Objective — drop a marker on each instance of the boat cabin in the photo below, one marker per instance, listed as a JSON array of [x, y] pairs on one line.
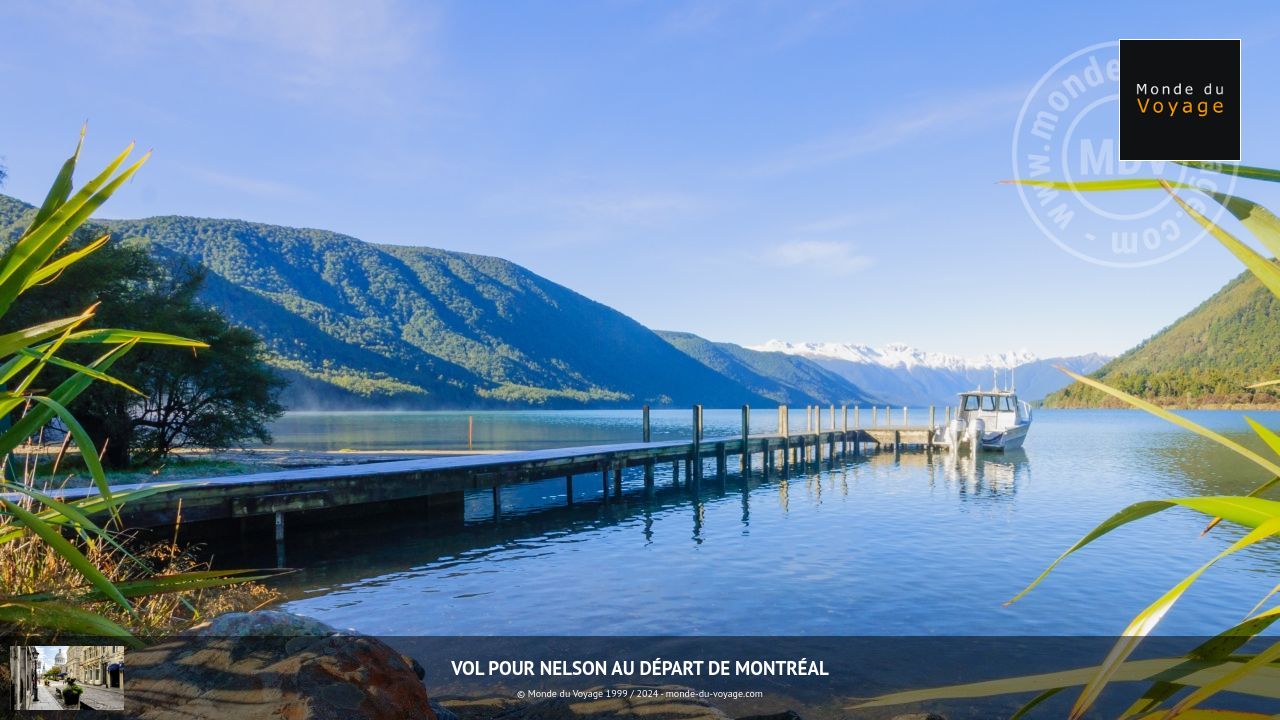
[[998, 409]]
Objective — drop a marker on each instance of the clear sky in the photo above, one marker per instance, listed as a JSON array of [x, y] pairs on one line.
[[49, 652], [819, 171]]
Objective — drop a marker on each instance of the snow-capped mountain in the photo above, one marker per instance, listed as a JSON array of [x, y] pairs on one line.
[[900, 374]]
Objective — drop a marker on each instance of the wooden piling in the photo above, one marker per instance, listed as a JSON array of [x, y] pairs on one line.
[[721, 461], [695, 457], [644, 424], [568, 488], [746, 438], [471, 427], [617, 479]]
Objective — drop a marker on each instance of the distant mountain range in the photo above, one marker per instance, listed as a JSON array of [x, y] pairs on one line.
[[781, 377], [904, 375], [1206, 358]]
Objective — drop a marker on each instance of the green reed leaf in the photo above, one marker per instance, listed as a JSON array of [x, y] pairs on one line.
[[1245, 171], [1144, 622], [69, 552]]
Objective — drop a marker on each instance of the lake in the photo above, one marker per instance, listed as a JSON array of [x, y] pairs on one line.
[[876, 545]]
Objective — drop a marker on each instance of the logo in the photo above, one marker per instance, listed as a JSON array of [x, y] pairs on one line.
[[1180, 100], [1068, 132]]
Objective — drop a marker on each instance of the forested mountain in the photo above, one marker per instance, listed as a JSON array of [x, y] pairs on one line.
[[783, 378], [1208, 357], [357, 324]]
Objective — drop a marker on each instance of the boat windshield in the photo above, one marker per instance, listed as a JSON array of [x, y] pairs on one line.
[[989, 403]]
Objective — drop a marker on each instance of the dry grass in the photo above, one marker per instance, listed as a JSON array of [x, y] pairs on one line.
[[29, 565]]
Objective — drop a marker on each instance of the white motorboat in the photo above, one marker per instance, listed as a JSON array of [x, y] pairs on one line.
[[988, 420]]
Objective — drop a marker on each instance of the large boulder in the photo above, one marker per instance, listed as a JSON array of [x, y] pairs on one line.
[[272, 665]]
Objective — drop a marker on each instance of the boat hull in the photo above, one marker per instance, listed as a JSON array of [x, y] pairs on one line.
[[1010, 439]]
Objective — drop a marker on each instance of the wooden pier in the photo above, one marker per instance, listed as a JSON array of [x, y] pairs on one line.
[[438, 484]]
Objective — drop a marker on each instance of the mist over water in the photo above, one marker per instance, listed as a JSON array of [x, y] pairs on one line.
[[875, 545]]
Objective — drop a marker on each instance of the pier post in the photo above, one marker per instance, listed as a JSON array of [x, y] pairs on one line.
[[746, 438], [874, 410], [833, 417], [648, 476], [497, 501], [568, 488], [888, 420], [721, 461], [604, 482], [617, 478], [933, 420], [279, 539], [844, 430], [644, 423], [696, 473], [471, 427], [675, 473], [904, 417]]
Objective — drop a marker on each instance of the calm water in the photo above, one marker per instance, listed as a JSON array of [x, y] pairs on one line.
[[875, 545]]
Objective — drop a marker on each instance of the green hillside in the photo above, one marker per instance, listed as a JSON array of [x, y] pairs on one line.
[[783, 378], [1208, 357], [357, 324]]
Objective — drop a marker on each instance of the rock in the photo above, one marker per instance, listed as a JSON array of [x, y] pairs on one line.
[[480, 708], [442, 712], [271, 665]]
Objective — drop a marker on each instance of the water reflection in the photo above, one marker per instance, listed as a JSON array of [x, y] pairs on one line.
[[540, 514]]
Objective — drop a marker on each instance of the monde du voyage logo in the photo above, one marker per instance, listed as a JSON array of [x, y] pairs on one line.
[[1125, 109], [1180, 100]]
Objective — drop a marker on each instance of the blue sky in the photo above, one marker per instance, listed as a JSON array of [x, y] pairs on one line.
[[743, 170]]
